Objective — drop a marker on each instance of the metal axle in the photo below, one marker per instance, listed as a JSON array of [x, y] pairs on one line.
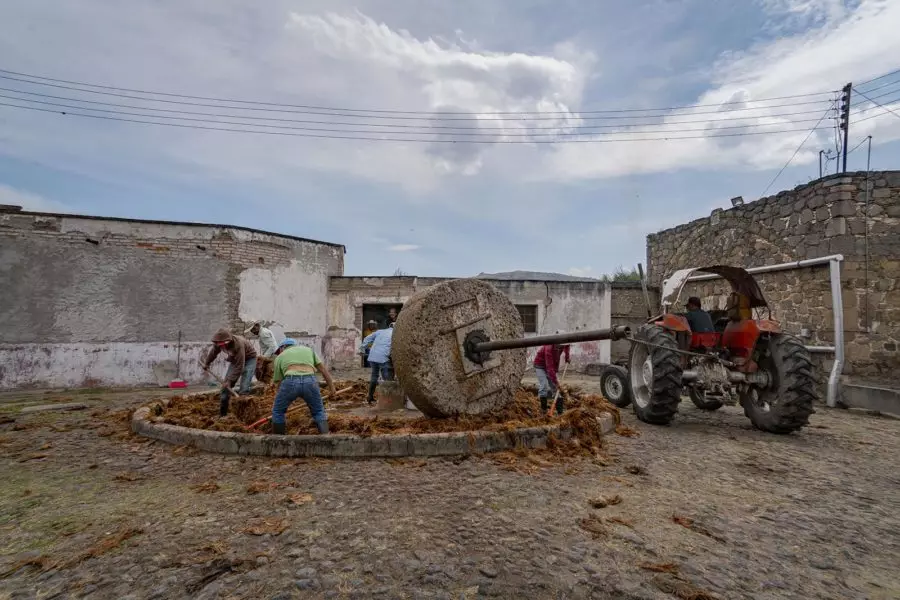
[[477, 349]]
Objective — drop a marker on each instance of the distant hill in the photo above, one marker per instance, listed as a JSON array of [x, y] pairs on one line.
[[534, 276]]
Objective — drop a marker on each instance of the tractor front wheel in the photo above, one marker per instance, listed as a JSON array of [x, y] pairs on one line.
[[654, 369], [614, 383], [787, 402]]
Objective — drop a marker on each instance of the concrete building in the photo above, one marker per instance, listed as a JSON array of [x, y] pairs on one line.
[[89, 301], [545, 307]]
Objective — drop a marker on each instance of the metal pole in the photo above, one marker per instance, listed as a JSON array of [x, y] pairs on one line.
[[866, 222], [644, 289], [821, 152], [613, 333], [845, 120], [837, 302]]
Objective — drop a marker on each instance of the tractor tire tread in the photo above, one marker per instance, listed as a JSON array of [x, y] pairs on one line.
[[666, 392], [793, 404]]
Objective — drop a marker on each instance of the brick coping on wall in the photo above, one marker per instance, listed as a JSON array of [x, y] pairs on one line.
[[143, 422]]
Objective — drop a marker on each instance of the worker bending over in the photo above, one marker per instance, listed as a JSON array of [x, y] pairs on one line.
[[546, 365], [241, 355], [295, 371], [267, 343], [379, 346]]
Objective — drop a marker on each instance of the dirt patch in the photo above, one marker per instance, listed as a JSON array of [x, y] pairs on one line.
[[583, 410]]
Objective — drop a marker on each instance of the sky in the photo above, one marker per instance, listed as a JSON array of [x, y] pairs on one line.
[[574, 194]]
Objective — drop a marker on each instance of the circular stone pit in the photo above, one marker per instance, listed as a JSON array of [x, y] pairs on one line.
[[148, 422]]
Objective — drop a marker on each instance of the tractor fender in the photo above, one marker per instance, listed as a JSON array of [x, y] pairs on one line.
[[675, 323], [769, 326]]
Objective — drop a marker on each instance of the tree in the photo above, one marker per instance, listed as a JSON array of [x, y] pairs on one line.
[[620, 274], [400, 273]]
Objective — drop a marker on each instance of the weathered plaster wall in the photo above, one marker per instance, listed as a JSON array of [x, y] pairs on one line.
[[825, 217], [561, 306], [87, 301]]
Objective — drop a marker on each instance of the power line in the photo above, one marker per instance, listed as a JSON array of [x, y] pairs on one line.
[[481, 130], [431, 114], [868, 81], [439, 140], [882, 95], [863, 141], [425, 116], [814, 127], [883, 85], [878, 105]]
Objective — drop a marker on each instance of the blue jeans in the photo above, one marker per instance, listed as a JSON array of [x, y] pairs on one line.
[[245, 379], [547, 390], [300, 386], [386, 371]]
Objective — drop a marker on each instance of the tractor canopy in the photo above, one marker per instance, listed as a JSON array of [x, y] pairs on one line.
[[741, 282]]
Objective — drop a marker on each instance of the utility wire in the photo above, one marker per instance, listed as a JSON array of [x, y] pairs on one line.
[[483, 131], [814, 127], [395, 139], [878, 105], [10, 75], [863, 141], [424, 116], [868, 81]]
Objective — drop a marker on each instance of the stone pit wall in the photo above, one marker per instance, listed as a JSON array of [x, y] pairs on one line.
[[822, 218], [560, 306], [95, 302], [629, 308]]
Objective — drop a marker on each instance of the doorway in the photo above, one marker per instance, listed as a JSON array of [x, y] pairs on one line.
[[381, 314]]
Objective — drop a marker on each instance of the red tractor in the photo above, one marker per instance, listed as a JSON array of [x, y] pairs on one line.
[[746, 360]]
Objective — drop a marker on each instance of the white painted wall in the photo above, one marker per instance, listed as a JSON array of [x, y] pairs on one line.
[[291, 297]]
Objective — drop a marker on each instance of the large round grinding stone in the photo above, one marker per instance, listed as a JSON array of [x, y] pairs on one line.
[[427, 351]]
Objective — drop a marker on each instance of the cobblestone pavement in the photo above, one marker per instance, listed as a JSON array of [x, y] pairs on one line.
[[706, 506]]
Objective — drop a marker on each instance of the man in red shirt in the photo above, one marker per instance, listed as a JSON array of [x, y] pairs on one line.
[[546, 364]]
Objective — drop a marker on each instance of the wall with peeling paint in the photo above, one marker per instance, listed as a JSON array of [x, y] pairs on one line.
[[88, 301]]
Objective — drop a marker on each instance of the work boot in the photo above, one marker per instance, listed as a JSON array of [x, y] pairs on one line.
[[543, 405], [371, 398], [279, 428], [322, 426], [223, 406]]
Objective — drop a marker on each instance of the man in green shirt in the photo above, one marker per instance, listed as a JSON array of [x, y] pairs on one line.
[[295, 372]]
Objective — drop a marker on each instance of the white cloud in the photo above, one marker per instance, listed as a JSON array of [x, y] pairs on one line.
[[403, 247], [843, 46], [29, 200]]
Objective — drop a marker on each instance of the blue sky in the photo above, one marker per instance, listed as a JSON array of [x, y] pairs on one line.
[[431, 208]]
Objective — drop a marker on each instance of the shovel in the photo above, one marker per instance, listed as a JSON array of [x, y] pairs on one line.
[[219, 379], [558, 389]]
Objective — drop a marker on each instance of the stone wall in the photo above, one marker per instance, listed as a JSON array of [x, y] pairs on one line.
[[560, 306], [629, 308], [90, 301], [825, 217]]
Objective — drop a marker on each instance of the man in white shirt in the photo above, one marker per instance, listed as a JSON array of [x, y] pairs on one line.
[[267, 343]]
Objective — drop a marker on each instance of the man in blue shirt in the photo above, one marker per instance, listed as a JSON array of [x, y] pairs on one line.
[[379, 346], [697, 318]]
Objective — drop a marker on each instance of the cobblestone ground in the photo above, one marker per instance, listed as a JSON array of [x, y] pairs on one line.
[[707, 506]]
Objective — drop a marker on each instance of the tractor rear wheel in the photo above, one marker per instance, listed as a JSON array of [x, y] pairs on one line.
[[614, 384], [654, 369], [786, 404], [702, 401]]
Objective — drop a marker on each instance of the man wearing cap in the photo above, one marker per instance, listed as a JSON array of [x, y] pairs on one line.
[[546, 364], [378, 345], [295, 371], [697, 318], [267, 343], [241, 355]]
